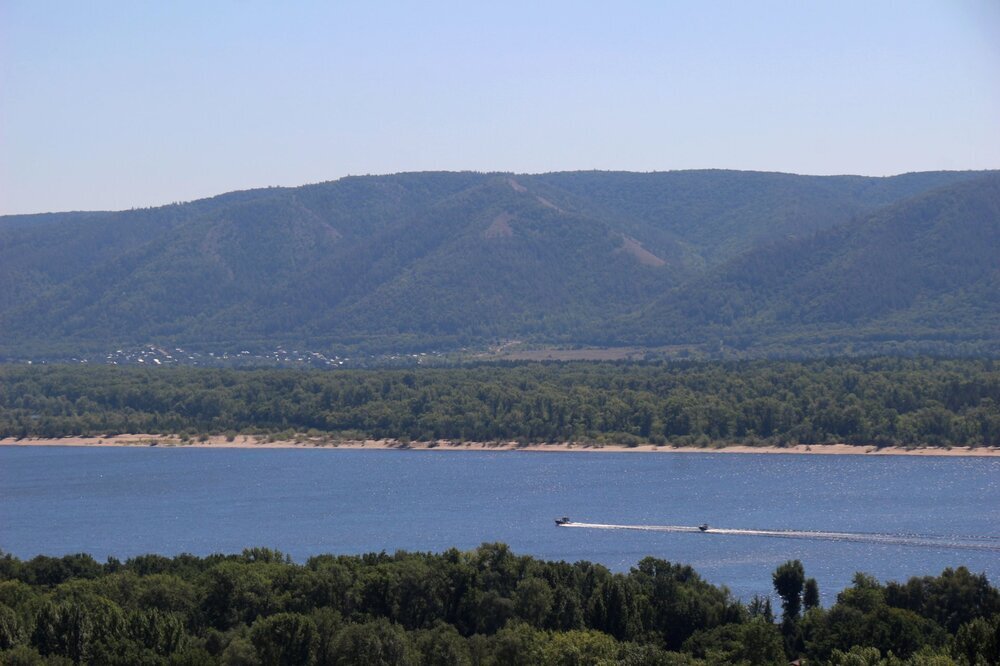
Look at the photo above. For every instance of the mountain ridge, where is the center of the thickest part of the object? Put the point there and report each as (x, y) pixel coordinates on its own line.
(457, 259)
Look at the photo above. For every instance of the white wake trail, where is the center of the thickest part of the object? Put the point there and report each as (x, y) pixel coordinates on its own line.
(989, 543)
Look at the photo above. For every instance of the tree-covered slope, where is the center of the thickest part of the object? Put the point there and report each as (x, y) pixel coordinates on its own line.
(926, 267)
(718, 215)
(456, 259)
(499, 260)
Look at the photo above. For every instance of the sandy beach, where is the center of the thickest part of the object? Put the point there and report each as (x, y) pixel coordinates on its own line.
(263, 442)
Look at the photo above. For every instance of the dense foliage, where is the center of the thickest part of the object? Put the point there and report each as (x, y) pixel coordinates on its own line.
(874, 401)
(482, 607)
(764, 263)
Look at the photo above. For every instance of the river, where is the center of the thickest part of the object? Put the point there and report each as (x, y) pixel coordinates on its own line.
(901, 516)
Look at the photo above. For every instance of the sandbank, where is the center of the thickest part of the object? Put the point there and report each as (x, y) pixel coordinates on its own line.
(305, 442)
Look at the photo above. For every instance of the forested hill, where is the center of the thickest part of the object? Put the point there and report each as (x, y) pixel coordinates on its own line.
(927, 267)
(756, 261)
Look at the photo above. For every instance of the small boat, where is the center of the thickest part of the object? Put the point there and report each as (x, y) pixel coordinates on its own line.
(703, 527)
(562, 521)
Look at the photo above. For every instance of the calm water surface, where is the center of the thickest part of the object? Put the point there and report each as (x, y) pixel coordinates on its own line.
(127, 501)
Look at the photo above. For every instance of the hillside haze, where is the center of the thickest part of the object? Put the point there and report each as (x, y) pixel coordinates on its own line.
(710, 260)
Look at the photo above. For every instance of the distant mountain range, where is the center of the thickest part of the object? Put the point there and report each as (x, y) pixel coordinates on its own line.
(764, 263)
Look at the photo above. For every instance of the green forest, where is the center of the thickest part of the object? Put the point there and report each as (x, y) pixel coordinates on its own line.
(880, 401)
(484, 607)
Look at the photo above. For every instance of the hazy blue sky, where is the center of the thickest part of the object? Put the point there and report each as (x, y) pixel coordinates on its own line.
(108, 105)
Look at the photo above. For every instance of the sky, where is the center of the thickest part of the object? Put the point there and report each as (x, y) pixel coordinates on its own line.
(114, 105)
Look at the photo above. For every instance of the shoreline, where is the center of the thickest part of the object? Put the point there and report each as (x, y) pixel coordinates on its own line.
(263, 442)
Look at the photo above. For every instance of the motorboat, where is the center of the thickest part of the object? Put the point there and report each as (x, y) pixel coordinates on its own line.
(562, 521)
(703, 527)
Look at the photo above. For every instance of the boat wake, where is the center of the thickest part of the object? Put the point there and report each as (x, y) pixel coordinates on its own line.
(987, 543)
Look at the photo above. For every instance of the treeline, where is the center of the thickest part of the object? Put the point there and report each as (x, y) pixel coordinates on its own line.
(885, 401)
(482, 607)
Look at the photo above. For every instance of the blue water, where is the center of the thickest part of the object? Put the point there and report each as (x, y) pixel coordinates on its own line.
(127, 501)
